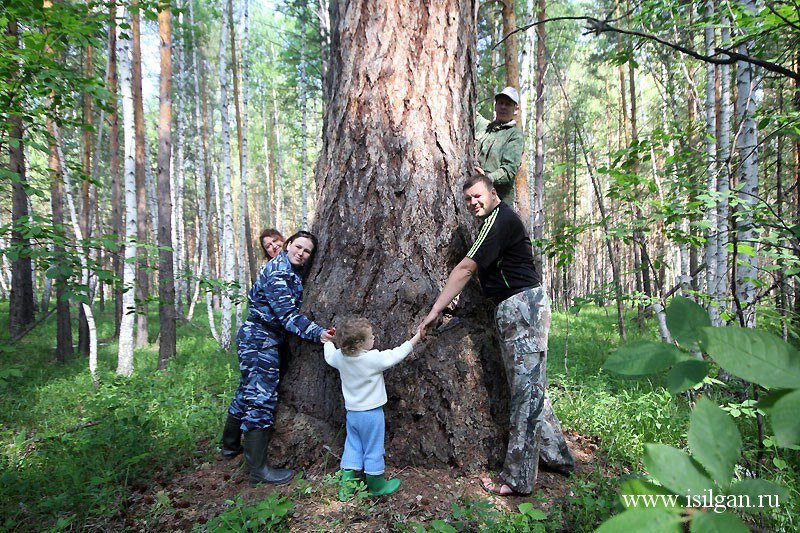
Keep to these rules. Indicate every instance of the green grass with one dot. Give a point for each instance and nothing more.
(71, 454)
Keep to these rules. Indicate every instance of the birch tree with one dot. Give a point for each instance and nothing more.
(126, 340)
(228, 257)
(748, 98)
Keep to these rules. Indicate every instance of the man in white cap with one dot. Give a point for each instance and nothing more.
(500, 143)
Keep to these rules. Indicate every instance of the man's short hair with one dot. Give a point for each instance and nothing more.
(478, 178)
(352, 333)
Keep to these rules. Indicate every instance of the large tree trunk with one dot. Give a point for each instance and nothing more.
(21, 307)
(166, 278)
(398, 140)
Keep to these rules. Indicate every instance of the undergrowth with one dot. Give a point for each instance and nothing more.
(71, 454)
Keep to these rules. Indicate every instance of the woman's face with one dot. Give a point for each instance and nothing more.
(272, 245)
(300, 251)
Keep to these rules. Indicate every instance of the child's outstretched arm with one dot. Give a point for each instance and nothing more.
(415, 339)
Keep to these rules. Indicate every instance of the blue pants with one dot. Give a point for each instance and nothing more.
(363, 447)
(256, 398)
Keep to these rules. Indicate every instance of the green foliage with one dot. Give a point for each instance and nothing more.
(714, 439)
(481, 515)
(83, 449)
(269, 514)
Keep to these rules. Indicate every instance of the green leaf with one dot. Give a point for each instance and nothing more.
(754, 355)
(761, 495)
(643, 357)
(715, 441)
(717, 523)
(785, 419)
(640, 487)
(685, 319)
(675, 470)
(686, 375)
(643, 521)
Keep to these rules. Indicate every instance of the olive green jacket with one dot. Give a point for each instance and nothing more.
(499, 148)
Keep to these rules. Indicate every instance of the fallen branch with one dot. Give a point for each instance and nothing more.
(30, 328)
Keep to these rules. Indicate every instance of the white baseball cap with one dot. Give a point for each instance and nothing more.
(509, 92)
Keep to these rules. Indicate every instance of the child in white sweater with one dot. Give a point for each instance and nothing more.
(361, 369)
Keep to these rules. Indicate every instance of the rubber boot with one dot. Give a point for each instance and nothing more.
(256, 444)
(231, 438)
(348, 485)
(380, 486)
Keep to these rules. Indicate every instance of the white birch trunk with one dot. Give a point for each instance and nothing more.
(177, 189)
(711, 163)
(721, 289)
(278, 165)
(76, 228)
(244, 260)
(227, 251)
(125, 353)
(202, 191)
(748, 99)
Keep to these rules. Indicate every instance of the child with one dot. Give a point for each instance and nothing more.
(361, 369)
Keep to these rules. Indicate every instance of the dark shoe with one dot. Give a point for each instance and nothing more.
(379, 486)
(256, 444)
(348, 485)
(231, 438)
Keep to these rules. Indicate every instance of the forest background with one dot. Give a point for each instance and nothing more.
(145, 146)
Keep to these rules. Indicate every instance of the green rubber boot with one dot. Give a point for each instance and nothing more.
(379, 486)
(348, 485)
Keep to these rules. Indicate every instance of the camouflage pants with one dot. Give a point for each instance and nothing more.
(523, 322)
(256, 398)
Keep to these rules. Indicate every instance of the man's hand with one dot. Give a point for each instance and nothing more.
(326, 336)
(427, 324)
(479, 170)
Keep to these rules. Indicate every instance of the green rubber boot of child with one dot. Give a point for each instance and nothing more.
(380, 486)
(348, 484)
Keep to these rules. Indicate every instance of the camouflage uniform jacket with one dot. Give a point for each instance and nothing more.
(499, 154)
(275, 301)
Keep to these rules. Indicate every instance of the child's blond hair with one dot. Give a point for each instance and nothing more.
(352, 333)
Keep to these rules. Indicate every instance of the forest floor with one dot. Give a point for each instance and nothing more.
(204, 489)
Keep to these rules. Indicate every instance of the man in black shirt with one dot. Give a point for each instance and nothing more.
(502, 256)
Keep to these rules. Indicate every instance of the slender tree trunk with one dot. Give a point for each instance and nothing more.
(22, 306)
(511, 59)
(166, 285)
(227, 252)
(537, 209)
(179, 255)
(323, 14)
(86, 210)
(712, 167)
(412, 176)
(64, 346)
(142, 276)
(117, 209)
(748, 99)
(303, 131)
(126, 340)
(76, 228)
(252, 262)
(721, 285)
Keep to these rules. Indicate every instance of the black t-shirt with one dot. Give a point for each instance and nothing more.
(504, 255)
